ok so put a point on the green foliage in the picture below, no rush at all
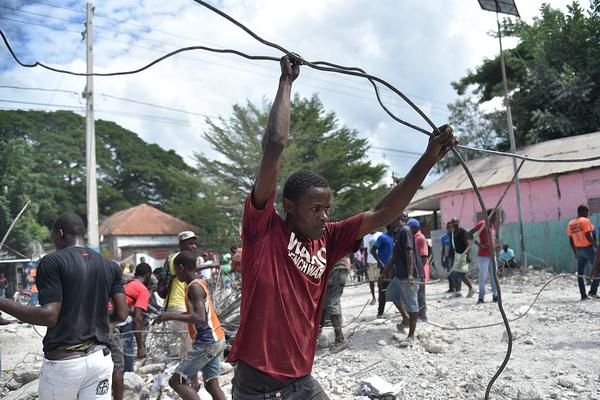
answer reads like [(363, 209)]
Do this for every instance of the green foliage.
[(553, 77), (316, 142), (42, 158)]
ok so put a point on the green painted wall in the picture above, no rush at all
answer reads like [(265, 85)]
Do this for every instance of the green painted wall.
[(546, 243)]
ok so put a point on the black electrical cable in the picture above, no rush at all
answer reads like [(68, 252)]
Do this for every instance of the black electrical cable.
[(337, 69), (329, 67), (315, 65)]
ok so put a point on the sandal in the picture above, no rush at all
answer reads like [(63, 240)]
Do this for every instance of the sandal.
[(337, 347)]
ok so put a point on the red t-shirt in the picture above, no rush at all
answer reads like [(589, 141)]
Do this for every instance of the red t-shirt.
[(423, 250), (484, 248), (283, 291), (137, 294)]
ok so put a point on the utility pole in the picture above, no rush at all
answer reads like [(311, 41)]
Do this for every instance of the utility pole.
[(93, 239), (513, 147)]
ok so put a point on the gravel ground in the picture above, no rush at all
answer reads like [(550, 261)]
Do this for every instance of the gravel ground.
[(555, 351)]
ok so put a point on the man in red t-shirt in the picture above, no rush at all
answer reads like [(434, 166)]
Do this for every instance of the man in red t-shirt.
[(422, 250), (287, 260), (137, 296), (484, 256)]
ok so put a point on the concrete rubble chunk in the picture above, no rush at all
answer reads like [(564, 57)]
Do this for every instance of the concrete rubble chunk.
[(27, 392), (133, 381), (151, 369), (434, 348), (26, 373), (566, 382)]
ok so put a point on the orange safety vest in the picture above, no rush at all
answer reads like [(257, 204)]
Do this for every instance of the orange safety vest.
[(212, 324)]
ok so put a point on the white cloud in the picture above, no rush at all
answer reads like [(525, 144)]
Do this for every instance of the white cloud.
[(418, 46)]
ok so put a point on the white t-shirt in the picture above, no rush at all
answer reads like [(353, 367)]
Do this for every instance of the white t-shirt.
[(368, 242)]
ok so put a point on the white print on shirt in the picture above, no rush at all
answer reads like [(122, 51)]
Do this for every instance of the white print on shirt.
[(314, 266)]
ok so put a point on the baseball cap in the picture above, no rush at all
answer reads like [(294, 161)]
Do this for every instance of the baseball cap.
[(413, 223), (185, 235)]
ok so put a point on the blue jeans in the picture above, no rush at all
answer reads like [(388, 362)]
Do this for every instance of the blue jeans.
[(128, 351), (205, 357), (585, 255), (33, 300), (485, 268)]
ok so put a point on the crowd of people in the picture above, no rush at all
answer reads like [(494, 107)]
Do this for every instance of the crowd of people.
[(294, 267)]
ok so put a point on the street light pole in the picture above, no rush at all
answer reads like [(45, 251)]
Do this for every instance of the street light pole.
[(513, 147)]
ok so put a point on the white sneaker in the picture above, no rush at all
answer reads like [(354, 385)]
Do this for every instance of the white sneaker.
[(457, 294)]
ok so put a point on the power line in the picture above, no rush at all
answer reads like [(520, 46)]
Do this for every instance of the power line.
[(113, 97), (148, 117), (135, 35), (407, 152), (444, 114)]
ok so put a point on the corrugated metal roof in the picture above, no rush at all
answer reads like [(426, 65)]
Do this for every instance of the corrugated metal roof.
[(495, 170), (143, 220)]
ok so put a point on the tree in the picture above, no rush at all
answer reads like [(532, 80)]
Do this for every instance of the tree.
[(316, 142), (17, 186), (42, 158), (553, 77)]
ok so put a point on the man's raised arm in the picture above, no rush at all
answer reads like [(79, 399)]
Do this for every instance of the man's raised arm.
[(393, 203), (276, 134)]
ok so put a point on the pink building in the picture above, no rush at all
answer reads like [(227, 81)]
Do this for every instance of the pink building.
[(550, 192)]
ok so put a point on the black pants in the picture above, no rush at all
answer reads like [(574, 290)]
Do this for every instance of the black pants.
[(251, 384), (381, 286)]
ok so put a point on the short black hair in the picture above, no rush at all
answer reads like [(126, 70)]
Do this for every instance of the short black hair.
[(582, 209), (70, 223), (142, 269), (185, 258), (299, 182)]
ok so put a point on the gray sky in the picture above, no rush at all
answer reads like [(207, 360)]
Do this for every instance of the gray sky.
[(418, 46)]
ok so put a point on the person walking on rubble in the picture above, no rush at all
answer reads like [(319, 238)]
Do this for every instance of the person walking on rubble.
[(121, 343), (584, 248), (485, 245), (75, 283), (287, 260), (382, 251), (204, 329), (333, 305)]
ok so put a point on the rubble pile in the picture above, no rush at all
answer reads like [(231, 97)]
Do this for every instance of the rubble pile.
[(554, 354)]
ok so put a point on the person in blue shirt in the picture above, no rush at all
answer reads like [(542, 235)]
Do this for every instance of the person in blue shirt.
[(382, 251), (507, 257)]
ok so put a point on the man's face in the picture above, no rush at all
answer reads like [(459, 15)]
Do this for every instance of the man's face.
[(505, 247), (414, 230), (147, 279), (310, 212), (493, 219), (395, 224), (184, 274), (189, 245)]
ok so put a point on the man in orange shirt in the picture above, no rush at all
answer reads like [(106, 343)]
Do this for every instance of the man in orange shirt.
[(33, 300), (584, 247)]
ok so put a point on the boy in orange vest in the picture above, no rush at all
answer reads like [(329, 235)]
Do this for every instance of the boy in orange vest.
[(205, 330)]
